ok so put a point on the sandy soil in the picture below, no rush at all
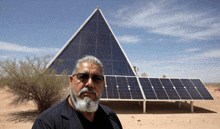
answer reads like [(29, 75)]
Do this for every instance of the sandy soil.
[(160, 115)]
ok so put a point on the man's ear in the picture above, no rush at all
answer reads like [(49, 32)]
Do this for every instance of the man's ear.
[(71, 78), (70, 82)]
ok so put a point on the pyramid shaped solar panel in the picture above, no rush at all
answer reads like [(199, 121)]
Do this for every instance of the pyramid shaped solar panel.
[(95, 38)]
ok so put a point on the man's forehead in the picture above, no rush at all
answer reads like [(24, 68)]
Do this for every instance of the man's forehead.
[(87, 66)]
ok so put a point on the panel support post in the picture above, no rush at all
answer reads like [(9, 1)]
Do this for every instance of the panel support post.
[(144, 106), (179, 104), (192, 108), (139, 103)]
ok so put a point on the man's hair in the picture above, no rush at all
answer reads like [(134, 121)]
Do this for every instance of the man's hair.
[(88, 58)]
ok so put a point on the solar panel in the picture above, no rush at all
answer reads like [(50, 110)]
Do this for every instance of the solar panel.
[(191, 89), (147, 88), (180, 89), (134, 88), (161, 94), (169, 88), (104, 95), (124, 92), (122, 87), (94, 38), (112, 91), (202, 89)]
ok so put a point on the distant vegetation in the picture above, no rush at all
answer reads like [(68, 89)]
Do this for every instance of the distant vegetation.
[(144, 75), (30, 81), (212, 84)]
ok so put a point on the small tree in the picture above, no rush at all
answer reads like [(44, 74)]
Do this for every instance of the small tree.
[(164, 76), (144, 75), (30, 80), (135, 69)]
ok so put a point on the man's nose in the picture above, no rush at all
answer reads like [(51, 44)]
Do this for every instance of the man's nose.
[(90, 83)]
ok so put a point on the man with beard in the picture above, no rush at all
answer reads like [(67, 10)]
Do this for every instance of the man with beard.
[(81, 110)]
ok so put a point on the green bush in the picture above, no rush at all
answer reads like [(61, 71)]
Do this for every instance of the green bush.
[(30, 80)]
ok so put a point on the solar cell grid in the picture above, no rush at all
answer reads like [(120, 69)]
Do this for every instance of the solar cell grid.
[(169, 89), (123, 88), (187, 83), (111, 87), (197, 83), (95, 38), (205, 94), (191, 89), (180, 89), (147, 88), (160, 92), (134, 88), (104, 95), (202, 89)]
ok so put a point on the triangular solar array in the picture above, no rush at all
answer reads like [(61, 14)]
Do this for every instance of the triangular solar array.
[(96, 38)]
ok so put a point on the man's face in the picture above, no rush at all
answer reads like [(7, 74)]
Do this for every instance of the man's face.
[(92, 69)]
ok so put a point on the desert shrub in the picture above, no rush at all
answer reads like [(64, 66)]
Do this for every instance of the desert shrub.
[(30, 80)]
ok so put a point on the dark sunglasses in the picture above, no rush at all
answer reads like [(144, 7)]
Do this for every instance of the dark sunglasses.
[(84, 77)]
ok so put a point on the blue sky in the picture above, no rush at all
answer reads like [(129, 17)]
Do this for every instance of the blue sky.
[(176, 38)]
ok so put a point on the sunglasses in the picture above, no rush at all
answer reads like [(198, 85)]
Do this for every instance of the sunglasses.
[(84, 77)]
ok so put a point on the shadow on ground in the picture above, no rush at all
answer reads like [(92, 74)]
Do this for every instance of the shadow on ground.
[(24, 116), (152, 107)]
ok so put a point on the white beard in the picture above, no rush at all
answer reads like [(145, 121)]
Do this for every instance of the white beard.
[(86, 104)]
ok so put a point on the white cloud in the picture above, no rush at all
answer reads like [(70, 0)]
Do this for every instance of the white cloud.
[(204, 66), (129, 39), (20, 48), (213, 53), (167, 18), (174, 69), (193, 49)]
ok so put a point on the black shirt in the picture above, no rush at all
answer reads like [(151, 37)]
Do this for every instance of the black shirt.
[(100, 121), (63, 116)]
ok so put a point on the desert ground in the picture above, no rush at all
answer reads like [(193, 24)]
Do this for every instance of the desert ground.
[(160, 115)]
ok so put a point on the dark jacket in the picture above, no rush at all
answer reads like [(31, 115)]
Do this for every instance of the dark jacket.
[(63, 116)]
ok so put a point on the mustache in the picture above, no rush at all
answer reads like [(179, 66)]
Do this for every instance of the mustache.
[(87, 89)]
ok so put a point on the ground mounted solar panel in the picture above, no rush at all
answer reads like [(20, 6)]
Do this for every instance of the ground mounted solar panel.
[(159, 89), (191, 89), (174, 89), (134, 88), (104, 93), (111, 86), (122, 88), (127, 87), (148, 89), (170, 89), (124, 92), (181, 90), (202, 89)]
